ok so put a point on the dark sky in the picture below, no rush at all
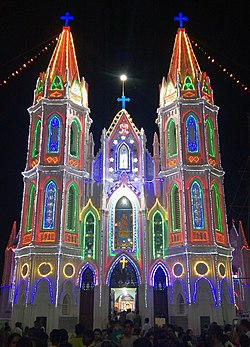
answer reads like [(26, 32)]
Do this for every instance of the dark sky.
[(134, 37)]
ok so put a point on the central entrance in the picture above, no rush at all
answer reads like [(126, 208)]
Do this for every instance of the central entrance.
[(123, 289)]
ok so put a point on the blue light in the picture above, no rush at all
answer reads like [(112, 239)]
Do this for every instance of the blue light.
[(54, 135), (197, 206), (181, 19), (123, 100), (50, 204), (192, 134), (67, 17)]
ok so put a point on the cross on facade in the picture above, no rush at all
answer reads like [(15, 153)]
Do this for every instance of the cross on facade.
[(123, 100), (181, 19), (67, 17), (123, 261)]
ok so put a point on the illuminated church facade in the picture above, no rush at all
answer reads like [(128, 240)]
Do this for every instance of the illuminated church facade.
[(123, 228)]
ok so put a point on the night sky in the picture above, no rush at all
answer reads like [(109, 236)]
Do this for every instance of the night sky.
[(113, 37)]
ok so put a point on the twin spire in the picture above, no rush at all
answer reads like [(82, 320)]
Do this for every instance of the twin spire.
[(62, 79)]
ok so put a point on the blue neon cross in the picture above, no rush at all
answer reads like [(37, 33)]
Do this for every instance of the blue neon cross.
[(67, 17), (123, 100), (181, 19)]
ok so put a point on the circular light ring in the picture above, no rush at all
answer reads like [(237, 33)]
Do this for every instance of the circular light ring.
[(25, 270), (201, 268), (178, 270), (69, 270), (222, 269), (44, 269)]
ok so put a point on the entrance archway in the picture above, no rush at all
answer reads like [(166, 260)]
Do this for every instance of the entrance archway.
[(87, 299), (123, 288), (160, 282)]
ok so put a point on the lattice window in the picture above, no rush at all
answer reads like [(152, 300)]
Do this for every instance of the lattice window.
[(31, 204), (49, 205), (175, 208), (171, 138), (72, 208), (89, 236), (158, 235), (197, 205), (210, 137), (216, 201), (74, 139), (192, 134), (36, 141), (53, 145)]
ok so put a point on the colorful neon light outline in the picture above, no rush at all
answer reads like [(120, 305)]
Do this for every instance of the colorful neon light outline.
[(32, 297), (213, 290)]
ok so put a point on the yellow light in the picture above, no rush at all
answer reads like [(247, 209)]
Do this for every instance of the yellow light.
[(174, 272), (73, 270), (22, 270), (47, 273), (221, 265), (201, 262), (123, 78)]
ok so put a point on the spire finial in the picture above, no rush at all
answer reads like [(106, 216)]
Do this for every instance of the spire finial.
[(67, 17), (181, 19), (123, 99)]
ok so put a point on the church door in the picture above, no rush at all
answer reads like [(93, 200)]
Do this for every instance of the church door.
[(87, 299), (123, 289), (160, 297)]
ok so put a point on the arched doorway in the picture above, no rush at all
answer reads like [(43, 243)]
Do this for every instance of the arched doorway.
[(87, 299), (123, 289), (160, 296)]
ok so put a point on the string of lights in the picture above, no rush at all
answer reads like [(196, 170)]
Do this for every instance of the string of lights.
[(221, 67), (16, 72)]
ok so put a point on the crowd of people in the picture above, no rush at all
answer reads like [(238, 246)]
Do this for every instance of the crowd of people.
[(128, 333)]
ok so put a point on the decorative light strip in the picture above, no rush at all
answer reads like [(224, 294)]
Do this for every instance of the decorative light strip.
[(27, 63), (213, 290), (221, 67)]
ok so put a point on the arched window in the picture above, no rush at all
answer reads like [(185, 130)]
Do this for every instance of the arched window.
[(66, 305), (188, 83), (49, 208), (181, 305), (192, 134), (72, 208), (54, 130), (217, 208), (123, 238), (158, 235), (36, 141), (31, 204), (74, 138), (123, 157), (197, 205), (171, 138), (210, 137), (175, 208), (56, 83), (89, 236)]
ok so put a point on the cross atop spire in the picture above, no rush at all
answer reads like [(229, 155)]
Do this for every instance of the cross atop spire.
[(181, 19), (67, 18)]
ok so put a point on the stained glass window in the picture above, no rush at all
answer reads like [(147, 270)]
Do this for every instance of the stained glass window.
[(192, 134), (36, 141), (123, 238), (74, 138), (31, 204), (72, 208), (123, 157), (54, 135), (197, 205), (171, 138), (49, 205), (210, 137), (188, 83), (158, 235), (89, 236), (175, 208), (216, 208)]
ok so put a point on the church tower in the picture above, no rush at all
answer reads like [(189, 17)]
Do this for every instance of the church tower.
[(54, 187), (199, 253)]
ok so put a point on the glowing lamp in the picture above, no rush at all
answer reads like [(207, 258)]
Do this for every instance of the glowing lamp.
[(123, 78), (25, 270), (178, 270), (68, 270), (222, 270), (201, 268)]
